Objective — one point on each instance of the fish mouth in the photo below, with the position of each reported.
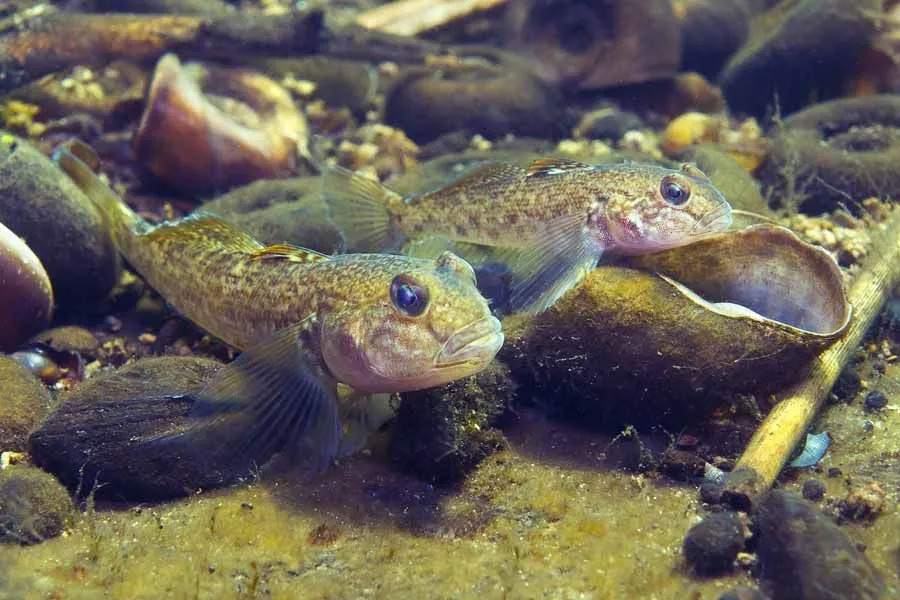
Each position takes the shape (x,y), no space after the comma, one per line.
(476,342)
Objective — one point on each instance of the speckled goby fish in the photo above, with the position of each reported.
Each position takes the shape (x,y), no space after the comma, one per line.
(306,322)
(548,223)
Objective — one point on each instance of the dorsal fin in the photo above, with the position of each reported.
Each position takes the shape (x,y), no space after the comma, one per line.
(487,172)
(693,170)
(289,253)
(554,166)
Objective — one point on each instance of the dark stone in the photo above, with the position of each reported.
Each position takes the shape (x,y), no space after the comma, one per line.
(280,211)
(442,433)
(803,555)
(743,592)
(34,506)
(426,103)
(875,401)
(711,492)
(711,31)
(847,385)
(682,464)
(24,401)
(834,472)
(40,204)
(608,123)
(835,154)
(797,49)
(813,490)
(96,435)
(711,546)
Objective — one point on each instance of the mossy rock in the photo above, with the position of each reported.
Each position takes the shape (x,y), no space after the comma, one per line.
(97,433)
(24,401)
(40,204)
(34,506)
(442,433)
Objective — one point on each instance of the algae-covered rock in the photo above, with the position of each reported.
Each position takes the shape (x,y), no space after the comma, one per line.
(96,433)
(835,152)
(711,31)
(41,205)
(711,545)
(442,433)
(34,506)
(71,339)
(804,556)
(486,92)
(279,211)
(27,298)
(736,312)
(739,187)
(797,49)
(24,401)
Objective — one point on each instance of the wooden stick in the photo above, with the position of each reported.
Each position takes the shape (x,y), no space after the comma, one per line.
(40,43)
(778,435)
(412,17)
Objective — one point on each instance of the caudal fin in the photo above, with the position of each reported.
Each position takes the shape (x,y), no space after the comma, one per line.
(361,209)
(74,158)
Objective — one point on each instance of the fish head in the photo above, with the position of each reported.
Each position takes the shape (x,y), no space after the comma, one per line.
(653,208)
(422,323)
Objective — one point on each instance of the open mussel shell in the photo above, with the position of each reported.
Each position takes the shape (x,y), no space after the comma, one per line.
(26,296)
(207,128)
(737,312)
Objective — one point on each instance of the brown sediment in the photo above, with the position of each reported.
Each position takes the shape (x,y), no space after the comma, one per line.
(779,434)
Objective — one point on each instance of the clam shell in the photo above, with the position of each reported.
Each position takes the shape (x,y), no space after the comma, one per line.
(26,300)
(741,312)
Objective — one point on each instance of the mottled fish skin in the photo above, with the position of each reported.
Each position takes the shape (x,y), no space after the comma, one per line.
(622,202)
(378,323)
(548,224)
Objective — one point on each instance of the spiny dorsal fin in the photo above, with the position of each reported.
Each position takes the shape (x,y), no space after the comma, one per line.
(487,172)
(693,170)
(554,166)
(287,252)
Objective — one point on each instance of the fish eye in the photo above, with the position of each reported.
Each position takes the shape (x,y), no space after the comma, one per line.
(410,298)
(674,191)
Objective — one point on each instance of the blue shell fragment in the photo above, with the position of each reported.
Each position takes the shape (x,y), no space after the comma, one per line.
(813,451)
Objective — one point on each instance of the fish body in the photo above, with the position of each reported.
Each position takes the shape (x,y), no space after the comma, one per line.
(305,321)
(549,222)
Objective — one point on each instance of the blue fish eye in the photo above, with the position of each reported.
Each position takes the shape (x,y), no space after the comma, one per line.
(673,191)
(408,297)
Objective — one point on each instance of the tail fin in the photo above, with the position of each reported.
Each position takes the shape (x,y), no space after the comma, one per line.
(78,160)
(361,209)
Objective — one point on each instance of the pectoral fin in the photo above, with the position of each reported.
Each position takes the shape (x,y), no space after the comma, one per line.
(272,397)
(361,416)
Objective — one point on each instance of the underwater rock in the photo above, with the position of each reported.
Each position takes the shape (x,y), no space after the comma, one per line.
(34,506)
(874,401)
(339,83)
(27,299)
(24,401)
(805,556)
(69,338)
(428,102)
(735,183)
(743,592)
(600,44)
(207,128)
(94,435)
(740,311)
(42,206)
(813,490)
(608,122)
(711,31)
(837,153)
(711,545)
(279,211)
(797,49)
(443,433)
(862,503)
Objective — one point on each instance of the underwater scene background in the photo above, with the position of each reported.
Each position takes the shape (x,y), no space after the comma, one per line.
(450,299)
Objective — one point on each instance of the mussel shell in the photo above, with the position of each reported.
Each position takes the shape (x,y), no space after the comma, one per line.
(760,306)
(26,296)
